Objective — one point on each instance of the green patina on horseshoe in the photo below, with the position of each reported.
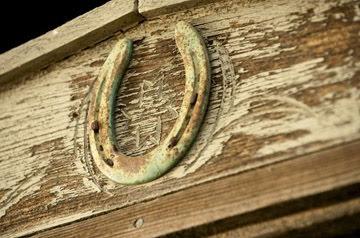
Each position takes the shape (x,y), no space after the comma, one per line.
(140,169)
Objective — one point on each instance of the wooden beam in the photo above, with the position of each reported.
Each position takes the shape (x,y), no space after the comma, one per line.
(153,8)
(239,194)
(285,82)
(314,219)
(75,35)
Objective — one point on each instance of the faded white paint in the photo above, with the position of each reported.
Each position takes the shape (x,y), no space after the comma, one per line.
(37,111)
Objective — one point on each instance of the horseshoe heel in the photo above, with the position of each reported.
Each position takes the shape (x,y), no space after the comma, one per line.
(101,120)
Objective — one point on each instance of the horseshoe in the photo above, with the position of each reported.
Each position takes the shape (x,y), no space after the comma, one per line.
(101,119)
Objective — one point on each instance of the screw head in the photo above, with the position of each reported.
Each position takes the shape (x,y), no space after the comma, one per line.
(139,223)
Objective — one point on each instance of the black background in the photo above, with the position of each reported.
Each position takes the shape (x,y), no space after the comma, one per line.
(24,20)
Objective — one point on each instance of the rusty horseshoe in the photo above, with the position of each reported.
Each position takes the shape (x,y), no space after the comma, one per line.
(101,120)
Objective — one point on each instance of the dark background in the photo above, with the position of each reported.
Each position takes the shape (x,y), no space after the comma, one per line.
(21,21)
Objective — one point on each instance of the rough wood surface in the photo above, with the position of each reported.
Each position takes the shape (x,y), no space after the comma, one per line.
(332,217)
(153,8)
(337,220)
(82,32)
(285,83)
(240,194)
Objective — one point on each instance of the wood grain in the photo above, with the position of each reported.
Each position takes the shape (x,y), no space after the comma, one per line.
(285,82)
(331,217)
(84,31)
(153,8)
(239,194)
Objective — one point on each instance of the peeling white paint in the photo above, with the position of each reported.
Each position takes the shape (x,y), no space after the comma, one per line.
(45,114)
(61,194)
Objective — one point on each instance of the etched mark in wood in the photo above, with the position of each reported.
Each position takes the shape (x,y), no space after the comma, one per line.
(150,103)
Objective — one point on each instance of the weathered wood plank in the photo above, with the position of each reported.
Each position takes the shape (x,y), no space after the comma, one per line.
(75,35)
(331,219)
(239,194)
(153,8)
(285,83)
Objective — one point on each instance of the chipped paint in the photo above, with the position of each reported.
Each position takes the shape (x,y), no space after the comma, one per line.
(61,194)
(304,73)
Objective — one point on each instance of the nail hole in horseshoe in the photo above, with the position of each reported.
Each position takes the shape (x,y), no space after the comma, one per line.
(115,148)
(109,162)
(173,142)
(193,100)
(95,126)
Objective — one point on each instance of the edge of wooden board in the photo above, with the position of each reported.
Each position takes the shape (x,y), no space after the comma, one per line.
(154,8)
(77,34)
(328,214)
(82,32)
(243,193)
